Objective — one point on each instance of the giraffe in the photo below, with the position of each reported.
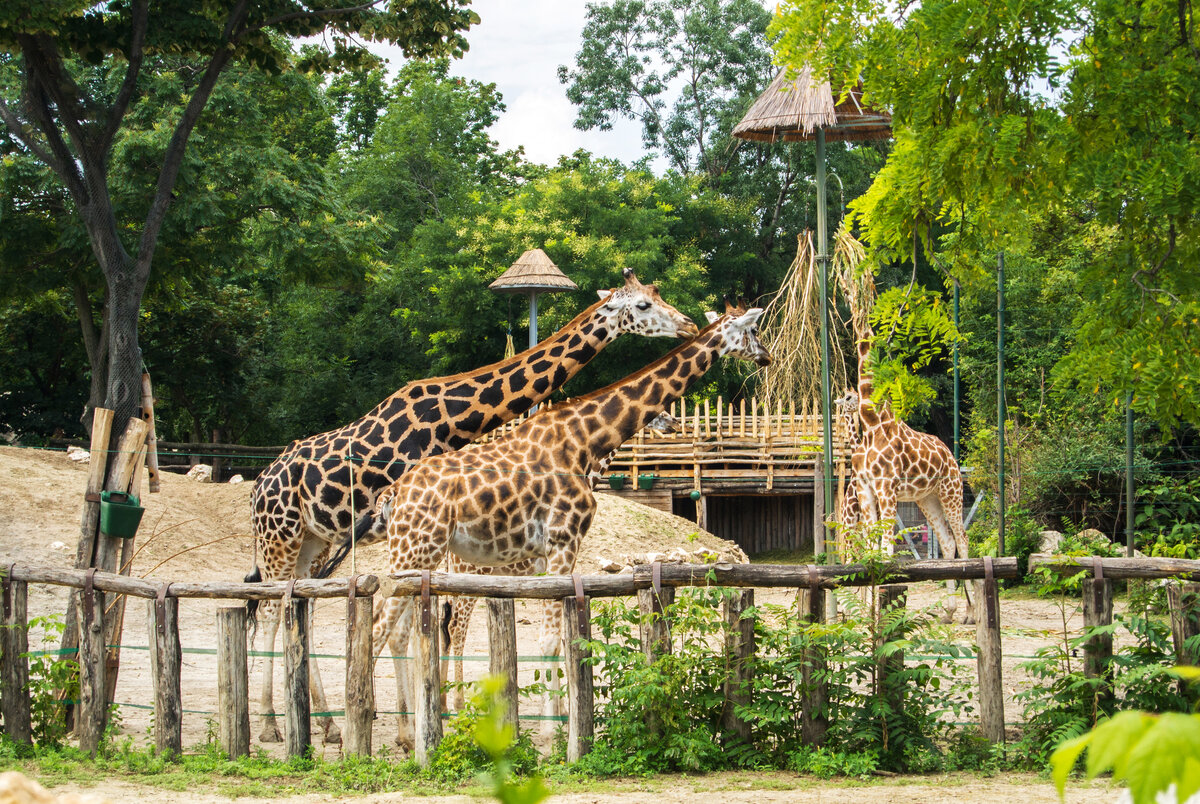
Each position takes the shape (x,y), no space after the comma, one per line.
(849,511)
(456,617)
(525,497)
(307,499)
(894,463)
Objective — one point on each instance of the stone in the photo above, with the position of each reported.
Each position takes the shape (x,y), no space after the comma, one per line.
(1051,541)
(79,455)
(201,473)
(237,479)
(608,565)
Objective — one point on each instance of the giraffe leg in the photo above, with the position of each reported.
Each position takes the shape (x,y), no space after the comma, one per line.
(550,644)
(885,499)
(270,722)
(399,643)
(460,621)
(333,735)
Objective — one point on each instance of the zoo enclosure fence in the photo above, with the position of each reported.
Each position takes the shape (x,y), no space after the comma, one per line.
(654,586)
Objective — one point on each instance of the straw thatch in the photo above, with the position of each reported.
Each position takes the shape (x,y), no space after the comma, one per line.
(793,109)
(533,271)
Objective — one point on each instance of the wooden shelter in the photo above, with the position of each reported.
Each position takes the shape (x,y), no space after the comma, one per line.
(533,273)
(793,109)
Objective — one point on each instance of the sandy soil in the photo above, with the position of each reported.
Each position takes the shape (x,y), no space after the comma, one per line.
(201,531)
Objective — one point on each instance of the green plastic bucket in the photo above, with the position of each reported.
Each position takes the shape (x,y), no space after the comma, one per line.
(120,514)
(646,482)
(616,482)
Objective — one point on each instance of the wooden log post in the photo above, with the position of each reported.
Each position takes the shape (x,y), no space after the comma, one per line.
(502,652)
(360,675)
(655,629)
(1098,650)
(233,682)
(988,659)
(93,708)
(297,708)
(814,714)
(166,659)
(1183,599)
(427,678)
(581,714)
(14,670)
(151,436)
(739,648)
(890,597)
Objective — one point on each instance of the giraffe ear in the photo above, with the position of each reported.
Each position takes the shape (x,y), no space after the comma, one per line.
(749,317)
(603,294)
(711,316)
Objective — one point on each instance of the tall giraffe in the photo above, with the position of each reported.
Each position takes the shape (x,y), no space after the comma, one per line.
(894,463)
(526,497)
(456,617)
(307,499)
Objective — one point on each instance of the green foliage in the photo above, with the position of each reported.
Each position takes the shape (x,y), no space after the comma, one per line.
(49,674)
(1168,518)
(508,753)
(826,763)
(1063,702)
(1151,753)
(913,330)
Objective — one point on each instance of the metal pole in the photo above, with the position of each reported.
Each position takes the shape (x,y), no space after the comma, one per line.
(1129,475)
(826,399)
(533,338)
(956,385)
(1000,412)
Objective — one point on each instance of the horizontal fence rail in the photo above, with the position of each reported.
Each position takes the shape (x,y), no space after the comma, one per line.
(653,585)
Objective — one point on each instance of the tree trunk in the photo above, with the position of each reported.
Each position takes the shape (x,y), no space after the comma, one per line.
(123,391)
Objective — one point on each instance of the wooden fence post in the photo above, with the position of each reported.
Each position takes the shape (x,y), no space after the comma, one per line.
(233,682)
(739,647)
(14,674)
(427,677)
(1183,599)
(165,662)
(297,707)
(988,658)
(502,651)
(814,714)
(655,629)
(1098,651)
(93,708)
(891,597)
(360,674)
(581,714)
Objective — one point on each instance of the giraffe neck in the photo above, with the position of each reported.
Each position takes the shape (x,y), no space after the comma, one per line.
(478,401)
(627,406)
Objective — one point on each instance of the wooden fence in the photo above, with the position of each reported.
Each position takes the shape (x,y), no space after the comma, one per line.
(654,586)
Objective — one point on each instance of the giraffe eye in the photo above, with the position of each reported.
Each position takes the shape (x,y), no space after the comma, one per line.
(643,305)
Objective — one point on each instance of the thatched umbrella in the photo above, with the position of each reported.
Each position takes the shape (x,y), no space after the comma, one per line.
(531,274)
(801,108)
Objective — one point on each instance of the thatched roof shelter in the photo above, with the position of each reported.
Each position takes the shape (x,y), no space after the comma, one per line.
(793,109)
(533,272)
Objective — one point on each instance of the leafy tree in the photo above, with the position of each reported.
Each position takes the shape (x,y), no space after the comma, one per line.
(1007,111)
(71,73)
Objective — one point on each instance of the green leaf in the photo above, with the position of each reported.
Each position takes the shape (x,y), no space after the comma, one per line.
(1063,760)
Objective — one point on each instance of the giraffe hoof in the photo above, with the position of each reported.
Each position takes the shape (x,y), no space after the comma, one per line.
(270,734)
(333,735)
(403,743)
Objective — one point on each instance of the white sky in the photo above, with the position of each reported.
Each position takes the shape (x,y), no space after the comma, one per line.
(518,47)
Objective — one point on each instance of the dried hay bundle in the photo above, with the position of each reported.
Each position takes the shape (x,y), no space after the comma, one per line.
(791,327)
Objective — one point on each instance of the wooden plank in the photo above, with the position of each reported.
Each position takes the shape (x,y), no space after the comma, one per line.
(166,657)
(577,627)
(233,682)
(1183,600)
(93,709)
(1098,650)
(138,587)
(360,677)
(1121,568)
(297,710)
(502,652)
(655,631)
(989,660)
(14,663)
(427,682)
(152,475)
(739,648)
(814,685)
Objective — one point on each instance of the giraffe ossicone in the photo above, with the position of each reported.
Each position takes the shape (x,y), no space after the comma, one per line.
(310,496)
(525,498)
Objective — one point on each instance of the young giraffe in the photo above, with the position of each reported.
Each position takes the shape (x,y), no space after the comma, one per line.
(525,497)
(307,499)
(849,512)
(456,613)
(895,463)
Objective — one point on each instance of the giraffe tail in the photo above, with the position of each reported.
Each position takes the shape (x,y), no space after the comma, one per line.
(369,529)
(252,605)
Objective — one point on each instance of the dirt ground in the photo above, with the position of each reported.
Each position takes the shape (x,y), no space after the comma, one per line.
(201,531)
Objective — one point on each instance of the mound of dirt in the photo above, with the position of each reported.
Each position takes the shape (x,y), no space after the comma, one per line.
(202,530)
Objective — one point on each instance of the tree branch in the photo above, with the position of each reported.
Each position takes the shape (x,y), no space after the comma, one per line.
(140,21)
(18,130)
(317,14)
(1157,267)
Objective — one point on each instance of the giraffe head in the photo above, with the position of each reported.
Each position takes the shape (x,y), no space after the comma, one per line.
(847,402)
(739,333)
(638,308)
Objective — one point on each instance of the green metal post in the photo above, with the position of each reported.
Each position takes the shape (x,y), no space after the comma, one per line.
(826,399)
(956,385)
(1129,475)
(1000,412)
